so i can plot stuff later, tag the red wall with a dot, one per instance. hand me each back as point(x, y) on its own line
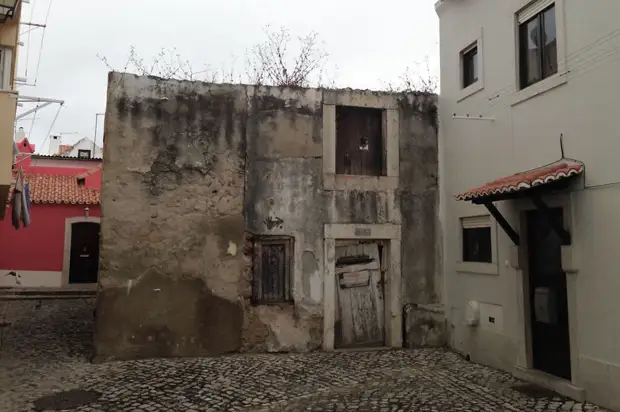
point(40, 246)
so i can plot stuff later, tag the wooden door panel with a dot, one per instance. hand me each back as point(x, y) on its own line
point(359, 294)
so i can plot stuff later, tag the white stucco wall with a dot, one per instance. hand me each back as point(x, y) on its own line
point(581, 103)
point(86, 144)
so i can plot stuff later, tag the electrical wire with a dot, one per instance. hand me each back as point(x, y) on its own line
point(34, 117)
point(28, 155)
point(36, 76)
point(29, 32)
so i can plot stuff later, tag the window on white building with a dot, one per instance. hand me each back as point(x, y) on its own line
point(469, 66)
point(538, 52)
point(477, 239)
point(6, 58)
point(84, 154)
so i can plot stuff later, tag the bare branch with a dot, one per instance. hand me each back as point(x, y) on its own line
point(416, 79)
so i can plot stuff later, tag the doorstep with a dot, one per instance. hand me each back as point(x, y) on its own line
point(559, 385)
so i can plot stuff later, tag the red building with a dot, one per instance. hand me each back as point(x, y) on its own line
point(60, 248)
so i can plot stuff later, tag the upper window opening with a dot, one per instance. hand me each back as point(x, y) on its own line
point(359, 141)
point(84, 154)
point(469, 62)
point(476, 239)
point(538, 55)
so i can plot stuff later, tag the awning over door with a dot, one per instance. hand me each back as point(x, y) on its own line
point(550, 176)
point(531, 184)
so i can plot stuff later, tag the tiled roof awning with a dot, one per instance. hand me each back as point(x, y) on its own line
point(511, 186)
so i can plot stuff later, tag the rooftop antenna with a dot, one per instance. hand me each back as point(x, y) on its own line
point(562, 144)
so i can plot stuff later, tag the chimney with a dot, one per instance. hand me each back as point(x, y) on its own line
point(20, 135)
point(55, 142)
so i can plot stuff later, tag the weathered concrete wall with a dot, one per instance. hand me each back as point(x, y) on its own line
point(193, 170)
point(173, 231)
point(284, 197)
point(419, 197)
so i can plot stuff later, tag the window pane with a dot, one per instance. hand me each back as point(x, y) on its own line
point(529, 42)
point(477, 245)
point(550, 51)
point(470, 67)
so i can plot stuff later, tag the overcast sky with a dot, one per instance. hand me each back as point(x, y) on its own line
point(369, 44)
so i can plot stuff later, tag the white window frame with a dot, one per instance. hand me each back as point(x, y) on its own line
point(478, 84)
point(555, 80)
point(6, 59)
point(483, 268)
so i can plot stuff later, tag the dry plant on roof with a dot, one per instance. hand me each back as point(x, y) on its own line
point(272, 63)
point(416, 79)
point(276, 61)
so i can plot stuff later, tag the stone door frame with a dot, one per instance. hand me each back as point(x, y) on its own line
point(388, 233)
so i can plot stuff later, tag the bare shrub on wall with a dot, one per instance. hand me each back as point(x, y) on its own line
point(272, 62)
point(279, 60)
point(418, 78)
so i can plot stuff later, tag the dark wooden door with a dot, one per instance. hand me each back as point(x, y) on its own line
point(548, 297)
point(84, 262)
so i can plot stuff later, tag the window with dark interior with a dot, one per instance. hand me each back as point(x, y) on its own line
point(476, 239)
point(469, 62)
point(272, 270)
point(359, 141)
point(538, 55)
point(84, 154)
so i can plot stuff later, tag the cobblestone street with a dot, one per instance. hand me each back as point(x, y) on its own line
point(45, 351)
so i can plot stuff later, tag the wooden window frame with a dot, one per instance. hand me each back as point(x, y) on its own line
point(259, 242)
point(522, 39)
point(340, 168)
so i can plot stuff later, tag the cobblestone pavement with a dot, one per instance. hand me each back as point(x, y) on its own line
point(45, 351)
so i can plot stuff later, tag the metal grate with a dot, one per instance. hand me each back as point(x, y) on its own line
point(272, 260)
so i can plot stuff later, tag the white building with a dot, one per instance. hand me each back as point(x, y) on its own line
point(534, 294)
point(84, 148)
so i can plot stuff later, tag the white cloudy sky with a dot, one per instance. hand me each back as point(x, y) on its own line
point(369, 44)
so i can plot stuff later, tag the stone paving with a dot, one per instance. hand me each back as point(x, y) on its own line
point(44, 351)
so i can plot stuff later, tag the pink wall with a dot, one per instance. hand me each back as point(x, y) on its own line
point(41, 245)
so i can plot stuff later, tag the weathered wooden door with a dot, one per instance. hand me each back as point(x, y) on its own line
point(359, 286)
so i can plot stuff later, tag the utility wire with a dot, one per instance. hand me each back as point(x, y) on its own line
point(36, 76)
point(29, 31)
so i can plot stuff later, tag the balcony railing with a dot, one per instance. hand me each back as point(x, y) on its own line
point(7, 9)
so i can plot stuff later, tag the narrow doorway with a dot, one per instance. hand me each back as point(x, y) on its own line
point(359, 294)
point(548, 295)
point(84, 259)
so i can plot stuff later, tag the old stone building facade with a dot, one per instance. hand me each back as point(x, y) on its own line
point(247, 218)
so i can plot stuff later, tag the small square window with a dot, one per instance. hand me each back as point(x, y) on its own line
point(476, 239)
point(469, 64)
point(360, 148)
point(272, 270)
point(84, 154)
point(538, 51)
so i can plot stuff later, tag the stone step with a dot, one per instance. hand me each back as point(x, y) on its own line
point(12, 293)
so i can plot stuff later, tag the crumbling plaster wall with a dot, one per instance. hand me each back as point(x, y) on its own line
point(173, 231)
point(192, 169)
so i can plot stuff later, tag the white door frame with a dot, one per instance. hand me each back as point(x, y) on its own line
point(393, 310)
point(67, 248)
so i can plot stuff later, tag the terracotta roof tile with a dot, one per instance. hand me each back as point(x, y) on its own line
point(90, 172)
point(525, 180)
point(59, 190)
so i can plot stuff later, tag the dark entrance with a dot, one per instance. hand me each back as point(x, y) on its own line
point(548, 297)
point(84, 262)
